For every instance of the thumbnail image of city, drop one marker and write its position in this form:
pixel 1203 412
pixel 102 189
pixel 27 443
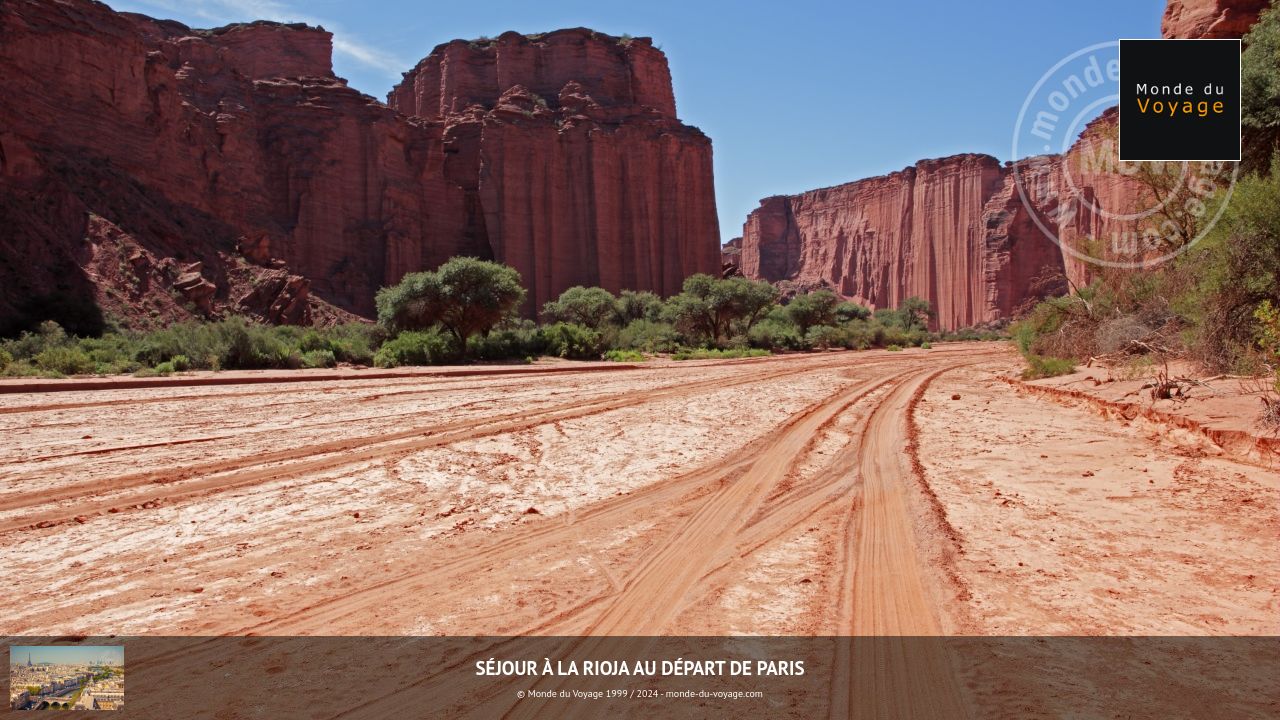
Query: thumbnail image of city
pixel 66 677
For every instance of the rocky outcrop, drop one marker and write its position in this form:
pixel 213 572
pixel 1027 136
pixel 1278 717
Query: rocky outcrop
pixel 954 231
pixel 1210 18
pixel 569 147
pixel 239 151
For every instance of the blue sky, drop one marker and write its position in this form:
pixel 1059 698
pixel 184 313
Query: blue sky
pixel 67 654
pixel 795 95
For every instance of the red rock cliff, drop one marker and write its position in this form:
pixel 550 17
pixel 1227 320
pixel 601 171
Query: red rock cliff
pixel 157 171
pixel 569 145
pixel 954 231
pixel 1210 18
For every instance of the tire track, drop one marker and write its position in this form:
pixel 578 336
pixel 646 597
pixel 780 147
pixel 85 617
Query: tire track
pixel 888 667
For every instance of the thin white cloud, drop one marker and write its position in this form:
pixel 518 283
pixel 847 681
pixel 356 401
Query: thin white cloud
pixel 222 12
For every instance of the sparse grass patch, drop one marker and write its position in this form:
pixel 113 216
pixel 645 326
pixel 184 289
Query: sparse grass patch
pixel 625 356
pixel 717 354
pixel 1040 367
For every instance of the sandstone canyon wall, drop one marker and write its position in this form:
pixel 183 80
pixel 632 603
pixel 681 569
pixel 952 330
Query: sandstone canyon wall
pixel 570 145
pixel 160 172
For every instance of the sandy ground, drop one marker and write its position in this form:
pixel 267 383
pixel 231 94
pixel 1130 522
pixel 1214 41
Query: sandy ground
pixel 908 493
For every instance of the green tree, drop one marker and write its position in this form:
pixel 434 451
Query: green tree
pixel 814 308
pixel 642 305
pixel 1260 85
pixel 590 307
pixel 915 313
pixel 850 311
pixel 465 296
pixel 709 306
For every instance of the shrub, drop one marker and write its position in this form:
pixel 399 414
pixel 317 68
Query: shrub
pixel 1235 269
pixel 511 340
pixel 28 345
pixel 427 347
pixel 165 368
pixel 894 348
pixel 5 359
pixel 860 335
pixel 319 359
pixel 65 360
pixel 926 346
pixel 648 336
pixel 632 306
pixel 775 334
pixel 568 340
pixel 1039 366
pixel 624 356
pixel 181 363
pixel 823 337
pixel 252 347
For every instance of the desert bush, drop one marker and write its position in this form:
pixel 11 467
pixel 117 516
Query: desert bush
pixel 860 335
pixel 644 305
pixel 773 333
pixel 577 342
pixel 926 346
pixel 1234 269
pixel 512 339
pixel 319 359
pixel 894 348
pixel 165 368
pixel 28 345
pixel 248 346
pixel 648 336
pixel 5 359
pixel 1039 366
pixel 823 337
pixel 426 347
pixel 624 356
pixel 65 360
pixel 1120 333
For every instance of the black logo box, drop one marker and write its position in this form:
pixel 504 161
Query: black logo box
pixel 1196 63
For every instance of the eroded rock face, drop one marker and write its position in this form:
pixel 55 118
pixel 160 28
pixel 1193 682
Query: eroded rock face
pixel 238 148
pixel 954 231
pixel 569 147
pixel 1210 18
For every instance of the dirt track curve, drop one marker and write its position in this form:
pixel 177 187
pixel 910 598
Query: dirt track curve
pixel 794 495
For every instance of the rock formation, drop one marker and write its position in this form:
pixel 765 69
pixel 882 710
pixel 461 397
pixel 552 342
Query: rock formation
pixel 1210 18
pixel 569 144
pixel 155 172
pixel 952 231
